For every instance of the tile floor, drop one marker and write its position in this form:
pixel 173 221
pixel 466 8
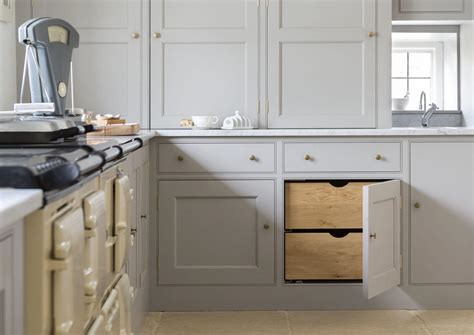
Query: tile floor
pixel 309 323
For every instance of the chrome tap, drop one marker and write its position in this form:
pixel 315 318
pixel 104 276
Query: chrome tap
pixel 425 120
pixel 423 101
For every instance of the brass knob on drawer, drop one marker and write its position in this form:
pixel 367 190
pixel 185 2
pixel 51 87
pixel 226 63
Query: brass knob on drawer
pixel 307 157
pixel 135 35
pixel 372 33
pixel 417 205
pixel 266 226
pixel 253 158
pixel 374 236
pixel 378 157
pixel 180 158
pixel 156 35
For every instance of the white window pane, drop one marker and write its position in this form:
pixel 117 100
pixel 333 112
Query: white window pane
pixel 420 64
pixel 416 87
pixel 399 64
pixel 399 88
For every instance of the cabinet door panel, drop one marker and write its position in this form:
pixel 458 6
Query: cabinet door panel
pixel 442 228
pixel 309 43
pixel 205 61
pixel 432 5
pixel 7 303
pixel 381 240
pixel 108 63
pixel 214 232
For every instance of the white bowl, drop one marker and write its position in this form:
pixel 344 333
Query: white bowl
pixel 400 104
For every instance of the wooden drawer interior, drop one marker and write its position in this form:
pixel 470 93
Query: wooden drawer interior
pixel 324 205
pixel 323 257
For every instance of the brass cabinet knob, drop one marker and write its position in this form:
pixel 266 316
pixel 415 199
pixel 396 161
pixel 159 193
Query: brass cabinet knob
pixel 156 35
pixel 417 205
pixel 372 33
pixel 378 157
pixel 180 158
pixel 253 158
pixel 307 157
pixel 135 35
pixel 374 236
pixel 266 226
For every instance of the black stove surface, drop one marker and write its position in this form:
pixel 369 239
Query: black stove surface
pixel 49 167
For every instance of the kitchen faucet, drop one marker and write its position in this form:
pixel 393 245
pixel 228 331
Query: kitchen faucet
pixel 423 101
pixel 425 120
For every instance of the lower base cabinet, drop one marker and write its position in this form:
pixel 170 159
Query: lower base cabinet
pixel 216 232
pixel 323 256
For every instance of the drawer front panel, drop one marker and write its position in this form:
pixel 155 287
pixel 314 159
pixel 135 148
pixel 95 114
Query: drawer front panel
pixel 320 205
pixel 320 256
pixel 215 158
pixel 342 157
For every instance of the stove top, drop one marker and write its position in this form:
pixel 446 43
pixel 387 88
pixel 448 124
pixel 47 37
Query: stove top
pixel 46 166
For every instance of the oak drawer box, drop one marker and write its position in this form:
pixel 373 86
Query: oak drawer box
pixel 342 157
pixel 321 256
pixel 324 205
pixel 216 158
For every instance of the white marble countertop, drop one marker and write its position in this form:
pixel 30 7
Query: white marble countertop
pixel 397 132
pixel 15 204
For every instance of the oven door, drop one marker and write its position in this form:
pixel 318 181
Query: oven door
pixel 122 229
pixel 68 274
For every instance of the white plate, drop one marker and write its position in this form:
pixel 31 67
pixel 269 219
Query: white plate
pixel 238 128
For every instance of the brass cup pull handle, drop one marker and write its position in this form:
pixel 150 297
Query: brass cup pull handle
pixel 417 205
pixel 180 158
pixel 374 236
pixel 252 158
pixel 156 35
pixel 135 35
pixel 378 157
pixel 266 226
pixel 307 157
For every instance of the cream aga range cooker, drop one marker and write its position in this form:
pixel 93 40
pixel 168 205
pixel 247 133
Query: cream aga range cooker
pixel 76 245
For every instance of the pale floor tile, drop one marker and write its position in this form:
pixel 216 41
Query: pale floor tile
pixel 451 322
pixel 223 323
pixel 151 323
pixel 355 323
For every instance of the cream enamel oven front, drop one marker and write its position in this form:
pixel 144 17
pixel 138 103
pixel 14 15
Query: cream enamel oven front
pixel 71 287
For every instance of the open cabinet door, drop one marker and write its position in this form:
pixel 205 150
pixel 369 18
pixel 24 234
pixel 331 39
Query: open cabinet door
pixel 381 237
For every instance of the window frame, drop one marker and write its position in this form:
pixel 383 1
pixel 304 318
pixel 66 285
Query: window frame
pixel 437 67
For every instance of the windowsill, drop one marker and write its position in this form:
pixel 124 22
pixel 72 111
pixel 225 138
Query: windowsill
pixel 421 112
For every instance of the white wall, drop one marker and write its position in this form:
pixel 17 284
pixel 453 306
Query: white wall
pixel 467 73
pixel 8 82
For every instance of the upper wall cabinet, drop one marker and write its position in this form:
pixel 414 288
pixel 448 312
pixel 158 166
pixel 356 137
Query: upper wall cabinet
pixel 322 63
pixel 432 9
pixel 204 59
pixel 108 63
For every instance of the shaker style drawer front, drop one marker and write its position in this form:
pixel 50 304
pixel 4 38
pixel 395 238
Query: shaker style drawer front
pixel 324 205
pixel 321 256
pixel 342 157
pixel 216 158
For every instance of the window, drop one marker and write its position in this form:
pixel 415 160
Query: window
pixel 425 62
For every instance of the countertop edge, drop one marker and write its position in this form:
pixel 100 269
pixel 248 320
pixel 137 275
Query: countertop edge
pixel 15 204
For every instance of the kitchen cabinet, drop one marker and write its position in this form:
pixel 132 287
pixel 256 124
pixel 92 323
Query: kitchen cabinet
pixel 311 83
pixel 331 249
pixel 432 10
pixel 216 232
pixel 442 213
pixel 108 64
pixel 204 59
pixel 11 279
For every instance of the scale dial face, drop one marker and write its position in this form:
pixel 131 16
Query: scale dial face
pixel 58 34
pixel 62 89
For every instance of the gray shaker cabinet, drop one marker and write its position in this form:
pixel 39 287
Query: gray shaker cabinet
pixel 216 232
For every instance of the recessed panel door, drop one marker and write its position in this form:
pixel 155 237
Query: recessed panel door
pixel 216 232
pixel 322 64
pixel 381 240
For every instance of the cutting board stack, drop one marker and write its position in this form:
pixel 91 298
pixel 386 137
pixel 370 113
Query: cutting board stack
pixel 115 127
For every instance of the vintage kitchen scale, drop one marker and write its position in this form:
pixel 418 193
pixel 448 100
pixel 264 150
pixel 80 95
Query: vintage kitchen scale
pixel 49 45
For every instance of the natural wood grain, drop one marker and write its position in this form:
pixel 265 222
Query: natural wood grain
pixel 118 130
pixel 321 205
pixel 320 256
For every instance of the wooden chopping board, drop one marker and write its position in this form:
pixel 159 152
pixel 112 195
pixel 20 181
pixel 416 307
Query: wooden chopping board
pixel 118 130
